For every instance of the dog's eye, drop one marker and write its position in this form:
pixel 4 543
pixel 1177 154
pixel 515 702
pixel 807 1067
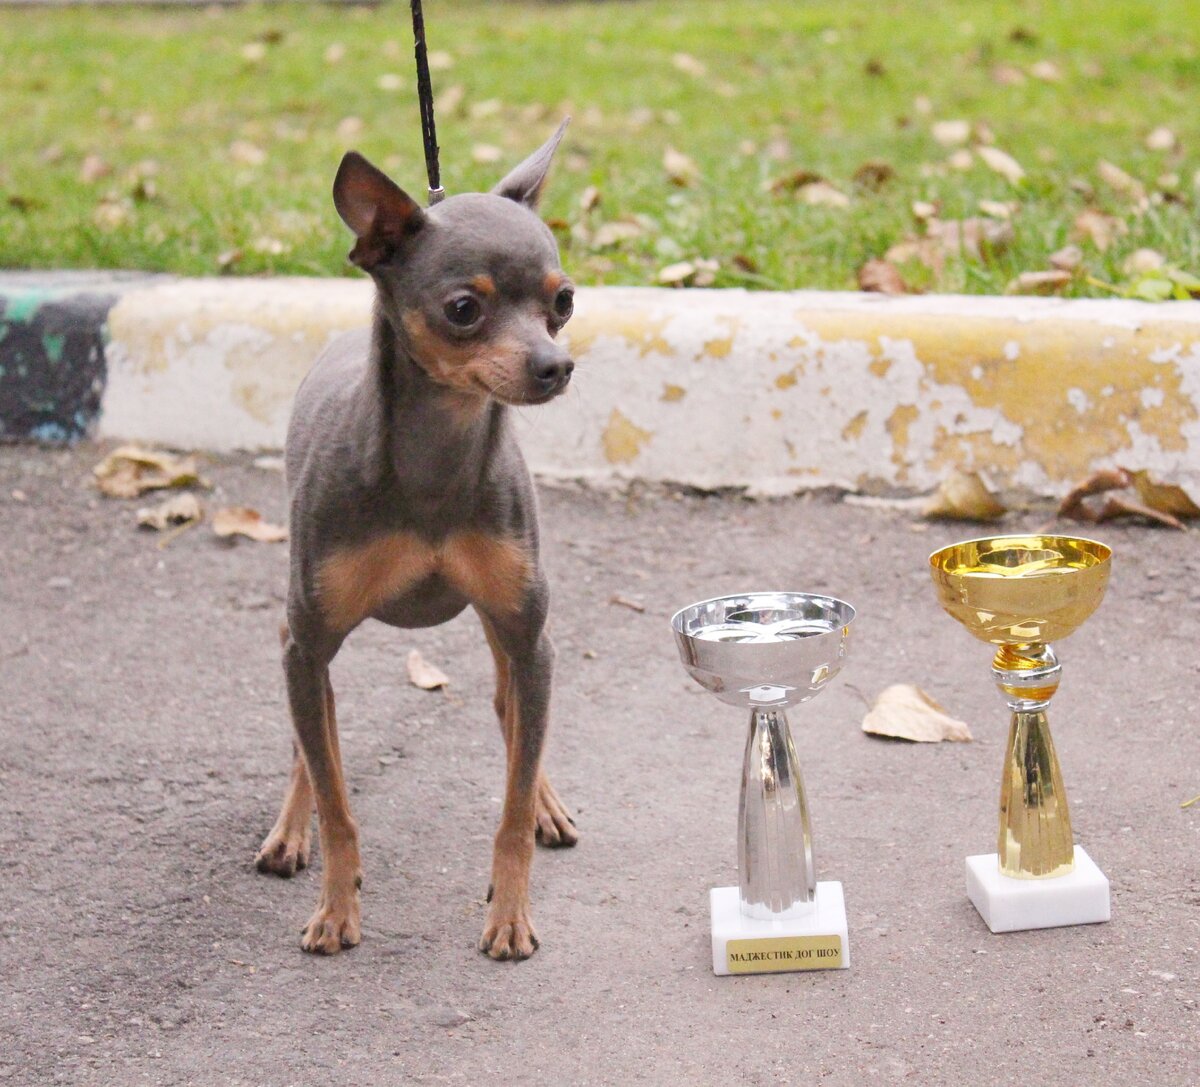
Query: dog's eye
pixel 463 312
pixel 564 303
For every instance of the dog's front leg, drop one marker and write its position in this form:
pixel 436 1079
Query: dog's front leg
pixel 508 932
pixel 336 923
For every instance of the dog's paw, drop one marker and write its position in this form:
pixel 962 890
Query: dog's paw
pixel 508 934
pixel 333 928
pixel 554 826
pixel 284 854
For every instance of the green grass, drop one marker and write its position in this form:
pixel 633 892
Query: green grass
pixel 826 85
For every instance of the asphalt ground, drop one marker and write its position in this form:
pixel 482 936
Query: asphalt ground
pixel 144 748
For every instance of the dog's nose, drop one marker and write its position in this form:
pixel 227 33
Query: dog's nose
pixel 551 368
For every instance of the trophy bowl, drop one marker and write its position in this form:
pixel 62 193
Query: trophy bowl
pixel 1019 593
pixel 1017 590
pixel 766 651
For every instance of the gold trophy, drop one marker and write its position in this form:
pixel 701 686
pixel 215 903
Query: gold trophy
pixel 1020 593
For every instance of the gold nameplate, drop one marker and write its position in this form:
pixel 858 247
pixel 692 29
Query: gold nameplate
pixel 776 954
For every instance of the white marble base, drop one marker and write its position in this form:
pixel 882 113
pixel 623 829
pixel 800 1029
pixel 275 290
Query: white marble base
pixel 745 945
pixel 1010 905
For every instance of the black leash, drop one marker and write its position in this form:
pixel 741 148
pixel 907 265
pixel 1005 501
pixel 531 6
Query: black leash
pixel 425 96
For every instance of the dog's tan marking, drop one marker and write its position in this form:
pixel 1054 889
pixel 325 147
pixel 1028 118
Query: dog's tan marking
pixel 552 283
pixel 476 366
pixel 489 570
pixel 484 284
pixel 354 581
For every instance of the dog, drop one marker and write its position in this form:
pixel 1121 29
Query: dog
pixel 409 500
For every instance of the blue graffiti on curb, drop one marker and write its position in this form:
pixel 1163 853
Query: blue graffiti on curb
pixel 52 365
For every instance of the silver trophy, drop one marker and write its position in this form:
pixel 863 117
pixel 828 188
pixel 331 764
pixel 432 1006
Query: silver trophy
pixel 765 652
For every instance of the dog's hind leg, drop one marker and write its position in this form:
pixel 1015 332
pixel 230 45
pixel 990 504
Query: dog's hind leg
pixel 553 823
pixel 287 848
pixel 336 924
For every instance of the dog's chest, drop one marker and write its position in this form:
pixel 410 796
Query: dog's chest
pixel 356 581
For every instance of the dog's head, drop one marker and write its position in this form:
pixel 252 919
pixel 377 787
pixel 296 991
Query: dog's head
pixel 473 286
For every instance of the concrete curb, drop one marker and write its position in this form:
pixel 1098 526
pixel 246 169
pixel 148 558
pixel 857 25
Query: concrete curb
pixel 772 392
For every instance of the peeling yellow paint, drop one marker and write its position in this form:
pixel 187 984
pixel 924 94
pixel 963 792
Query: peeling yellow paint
pixel 671 394
pixel 776 414
pixel 1058 365
pixel 897 425
pixel 639 330
pixel 786 380
pixel 852 431
pixel 719 347
pixel 880 367
pixel 623 439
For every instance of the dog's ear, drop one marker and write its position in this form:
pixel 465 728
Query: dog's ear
pixel 525 183
pixel 380 213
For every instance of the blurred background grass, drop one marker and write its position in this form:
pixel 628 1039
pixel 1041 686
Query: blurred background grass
pixel 204 141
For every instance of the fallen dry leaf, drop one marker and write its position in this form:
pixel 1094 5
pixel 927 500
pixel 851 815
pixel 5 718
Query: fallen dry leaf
pixel 93 169
pixel 451 99
pixel 1047 282
pixel 335 53
pixel 928 251
pixel 589 199
pixel 797 179
pixel 676 275
pixel 905 712
pixel 924 210
pixel 881 277
pixel 1045 70
pixel 1167 498
pixel 822 194
pixel 999 209
pixel 874 174
pixel 244 521
pixel 688 64
pixel 951 133
pixel 1141 261
pixel 1067 259
pixel 681 169
pixel 625 602
pixel 965 496
pixel 487 107
pixel 1100 229
pixel 1104 481
pixel 179 509
pixel 613 233
pixel 486 153
pixel 961 160
pixel 245 153
pixel 1002 163
pixel 978 239
pixel 1007 75
pixel 422 674
pixel 1116 178
pixel 1161 139
pixel 130 471
pixel 111 214
pixel 690 273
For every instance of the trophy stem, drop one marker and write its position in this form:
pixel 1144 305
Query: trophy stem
pixel 1035 840
pixel 775 863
